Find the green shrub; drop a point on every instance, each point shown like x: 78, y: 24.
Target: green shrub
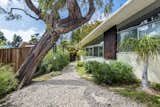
x: 156, y: 86
x: 112, y: 73
x: 91, y: 66
x: 8, y: 82
x: 80, y: 64
x: 101, y: 73
x: 122, y: 73
x: 53, y: 61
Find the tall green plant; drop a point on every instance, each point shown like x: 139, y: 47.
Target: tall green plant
x: 53, y: 61
x: 146, y: 47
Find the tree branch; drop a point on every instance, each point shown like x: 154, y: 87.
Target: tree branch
x: 68, y: 24
x: 91, y: 9
x: 33, y: 8
x: 2, y: 10
x: 12, y: 9
x: 74, y: 9
x: 55, y: 9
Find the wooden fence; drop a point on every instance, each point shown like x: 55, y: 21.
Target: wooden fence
x: 14, y: 56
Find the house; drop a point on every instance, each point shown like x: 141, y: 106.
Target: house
x: 25, y: 44
x: 135, y: 18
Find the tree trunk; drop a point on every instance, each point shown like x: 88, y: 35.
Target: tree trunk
x: 37, y: 53
x: 145, y: 83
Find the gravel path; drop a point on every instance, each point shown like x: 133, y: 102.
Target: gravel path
x: 68, y: 90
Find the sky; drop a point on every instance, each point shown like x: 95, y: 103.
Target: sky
x: 27, y: 26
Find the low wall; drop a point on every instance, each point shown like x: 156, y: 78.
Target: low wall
x: 132, y: 59
x: 90, y: 58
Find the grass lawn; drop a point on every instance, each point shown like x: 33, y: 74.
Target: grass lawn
x: 130, y: 91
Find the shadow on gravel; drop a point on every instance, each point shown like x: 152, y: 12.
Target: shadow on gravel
x: 62, y: 82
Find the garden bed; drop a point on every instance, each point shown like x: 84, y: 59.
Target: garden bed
x: 132, y: 91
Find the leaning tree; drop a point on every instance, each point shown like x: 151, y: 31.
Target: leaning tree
x: 50, y: 12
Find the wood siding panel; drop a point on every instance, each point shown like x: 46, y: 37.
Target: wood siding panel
x: 110, y: 43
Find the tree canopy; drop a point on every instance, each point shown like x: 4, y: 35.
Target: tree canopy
x: 3, y: 39
x: 34, y: 39
x: 83, y: 31
x: 16, y: 40
x: 52, y: 12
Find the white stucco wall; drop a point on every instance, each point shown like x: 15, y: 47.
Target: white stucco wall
x: 132, y: 59
x: 90, y: 58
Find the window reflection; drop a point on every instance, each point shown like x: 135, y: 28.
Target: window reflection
x: 95, y: 50
x: 151, y: 29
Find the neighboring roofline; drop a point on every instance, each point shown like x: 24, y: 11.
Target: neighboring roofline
x: 130, y: 8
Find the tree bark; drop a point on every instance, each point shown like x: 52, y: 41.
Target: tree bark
x: 73, y: 21
x: 145, y: 83
x: 37, y: 53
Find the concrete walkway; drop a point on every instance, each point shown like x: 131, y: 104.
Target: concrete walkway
x: 68, y: 90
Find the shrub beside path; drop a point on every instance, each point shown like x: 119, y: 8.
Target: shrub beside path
x: 68, y: 90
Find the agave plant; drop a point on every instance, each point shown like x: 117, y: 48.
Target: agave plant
x: 146, y: 47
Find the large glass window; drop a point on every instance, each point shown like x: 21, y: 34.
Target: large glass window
x: 87, y: 51
x: 127, y: 34
x: 95, y: 50
x: 90, y: 51
x: 101, y: 51
x: 150, y: 29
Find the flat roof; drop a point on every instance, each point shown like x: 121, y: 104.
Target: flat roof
x: 130, y: 8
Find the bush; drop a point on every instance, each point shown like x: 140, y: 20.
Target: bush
x: 112, y: 73
x: 80, y: 64
x: 122, y: 73
x: 8, y: 82
x: 156, y: 86
x: 91, y: 66
x: 53, y: 61
x: 101, y: 72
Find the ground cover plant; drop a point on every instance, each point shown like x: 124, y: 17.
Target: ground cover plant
x: 138, y: 95
x: 8, y: 82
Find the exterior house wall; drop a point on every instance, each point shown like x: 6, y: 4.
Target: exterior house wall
x: 90, y: 58
x: 132, y: 59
